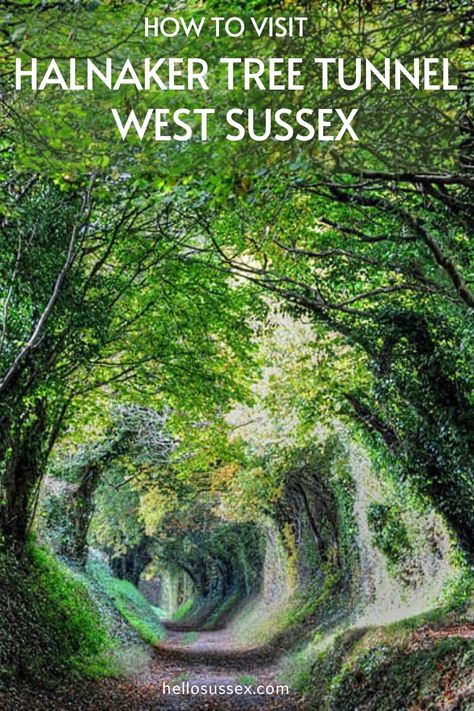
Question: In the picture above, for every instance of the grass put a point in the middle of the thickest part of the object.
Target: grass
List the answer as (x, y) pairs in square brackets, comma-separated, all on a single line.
[(184, 676), (246, 680), (131, 604), (183, 610), (51, 629)]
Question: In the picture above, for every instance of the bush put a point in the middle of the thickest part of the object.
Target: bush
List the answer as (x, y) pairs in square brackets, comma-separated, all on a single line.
[(458, 592), (390, 534), (183, 610)]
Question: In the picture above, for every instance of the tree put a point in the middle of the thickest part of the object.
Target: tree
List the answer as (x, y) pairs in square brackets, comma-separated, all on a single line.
[(114, 303), (372, 242)]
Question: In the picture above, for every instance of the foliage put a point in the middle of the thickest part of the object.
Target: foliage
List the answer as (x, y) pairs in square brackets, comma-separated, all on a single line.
[(310, 602), (183, 610), (458, 593), (390, 533), (290, 622), (219, 614), (44, 604), (66, 134), (52, 523), (84, 330), (221, 559), (183, 348), (131, 604), (408, 677)]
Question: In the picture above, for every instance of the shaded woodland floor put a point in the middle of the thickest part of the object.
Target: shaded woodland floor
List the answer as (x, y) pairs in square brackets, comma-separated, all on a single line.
[(199, 658), (209, 658)]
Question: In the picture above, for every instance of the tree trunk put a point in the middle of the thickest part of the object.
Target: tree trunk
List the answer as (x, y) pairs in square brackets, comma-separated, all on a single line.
[(24, 471), (81, 509)]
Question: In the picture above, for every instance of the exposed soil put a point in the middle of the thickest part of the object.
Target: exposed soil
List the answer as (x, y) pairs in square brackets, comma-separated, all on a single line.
[(464, 631)]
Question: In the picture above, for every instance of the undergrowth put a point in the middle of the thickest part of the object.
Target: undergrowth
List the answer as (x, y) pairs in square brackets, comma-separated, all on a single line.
[(394, 667), (183, 610), (50, 628), (223, 609), (389, 675), (131, 604)]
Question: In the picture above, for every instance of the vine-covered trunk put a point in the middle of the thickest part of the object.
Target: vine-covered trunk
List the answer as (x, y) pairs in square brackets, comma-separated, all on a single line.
[(80, 511), (23, 473)]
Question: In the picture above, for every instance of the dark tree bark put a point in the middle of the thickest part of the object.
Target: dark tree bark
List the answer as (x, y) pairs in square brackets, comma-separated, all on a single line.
[(309, 506), (24, 471), (133, 562), (81, 509)]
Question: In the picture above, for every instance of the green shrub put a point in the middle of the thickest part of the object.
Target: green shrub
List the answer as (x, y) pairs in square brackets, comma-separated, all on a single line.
[(224, 607), (390, 534), (458, 592), (183, 610)]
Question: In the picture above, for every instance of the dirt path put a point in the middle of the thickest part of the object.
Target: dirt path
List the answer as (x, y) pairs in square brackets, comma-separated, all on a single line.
[(181, 666), (216, 660), (192, 659)]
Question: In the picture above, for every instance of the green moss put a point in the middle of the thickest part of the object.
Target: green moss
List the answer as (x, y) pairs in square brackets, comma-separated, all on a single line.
[(221, 610), (50, 627), (295, 618), (458, 592), (310, 601), (66, 608)]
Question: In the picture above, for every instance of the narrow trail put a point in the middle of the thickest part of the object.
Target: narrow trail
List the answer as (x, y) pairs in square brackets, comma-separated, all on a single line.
[(185, 660), (216, 659), (217, 647)]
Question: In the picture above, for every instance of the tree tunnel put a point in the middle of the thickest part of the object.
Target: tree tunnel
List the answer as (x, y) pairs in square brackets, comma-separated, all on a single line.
[(202, 560), (201, 566), (207, 570)]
